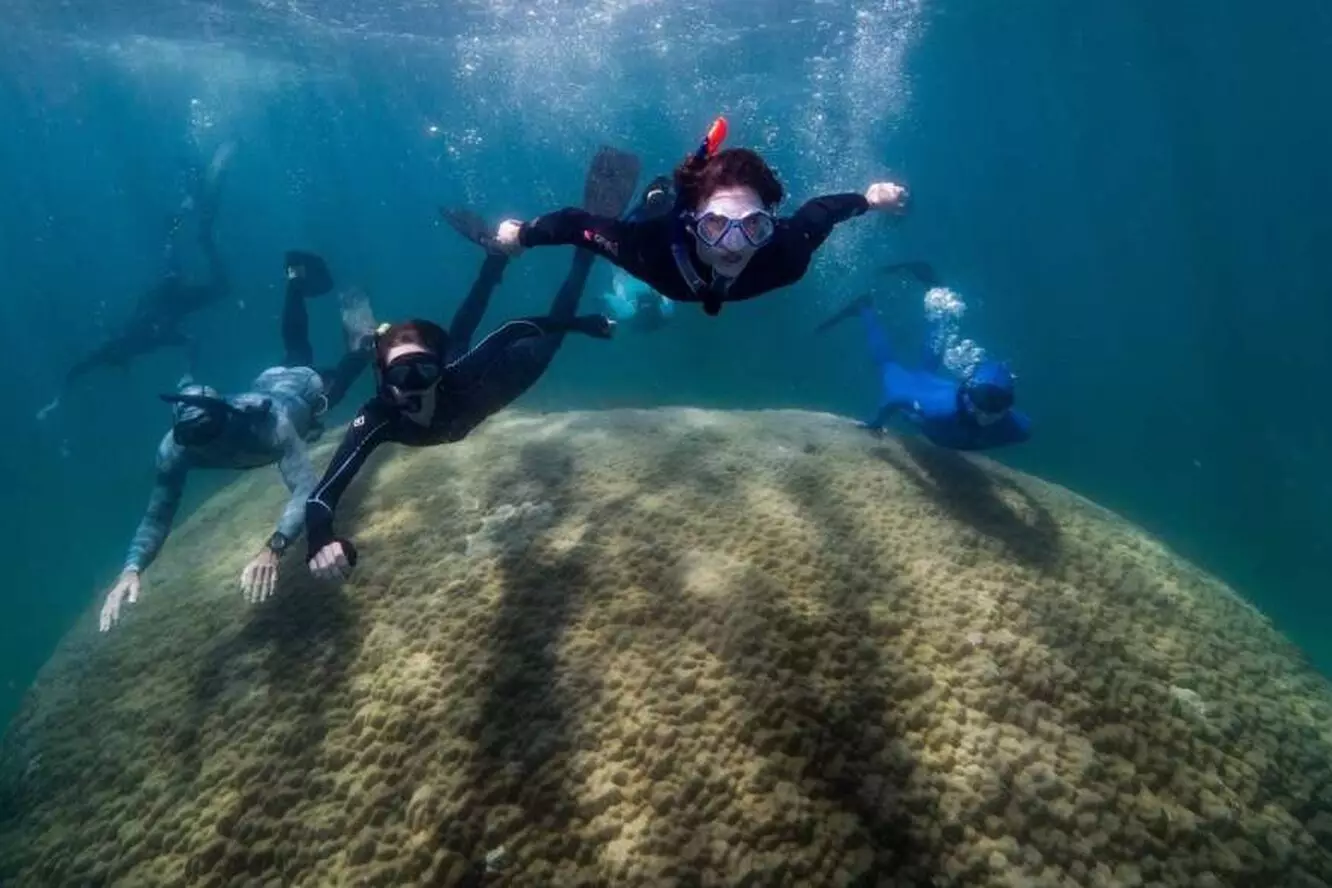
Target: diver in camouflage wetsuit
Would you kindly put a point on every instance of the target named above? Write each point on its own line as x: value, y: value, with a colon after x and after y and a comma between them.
x: 271, y: 423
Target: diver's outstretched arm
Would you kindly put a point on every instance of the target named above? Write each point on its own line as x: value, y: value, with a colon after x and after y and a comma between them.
x: 375, y: 424
x: 816, y: 218
x: 172, y: 469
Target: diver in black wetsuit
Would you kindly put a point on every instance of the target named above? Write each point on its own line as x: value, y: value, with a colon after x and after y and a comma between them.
x: 722, y: 242
x: 434, y: 389
x: 160, y: 311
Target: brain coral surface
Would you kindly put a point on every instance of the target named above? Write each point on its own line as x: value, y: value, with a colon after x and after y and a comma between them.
x: 677, y: 647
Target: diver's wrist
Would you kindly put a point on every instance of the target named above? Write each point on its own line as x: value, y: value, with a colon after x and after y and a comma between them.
x: 278, y: 543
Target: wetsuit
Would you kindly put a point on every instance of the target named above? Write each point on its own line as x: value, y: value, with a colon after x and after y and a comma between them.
x: 660, y: 253
x: 932, y: 400
x: 155, y: 322
x: 271, y: 423
x: 476, y: 383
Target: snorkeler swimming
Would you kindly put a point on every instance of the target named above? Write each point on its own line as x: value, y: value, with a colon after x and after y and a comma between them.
x: 972, y: 413
x: 634, y: 305
x: 271, y: 423
x: 155, y: 322
x: 434, y: 387
x: 721, y: 241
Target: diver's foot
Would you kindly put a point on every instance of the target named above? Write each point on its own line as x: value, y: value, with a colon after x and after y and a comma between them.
x: 358, y: 320
x: 308, y: 273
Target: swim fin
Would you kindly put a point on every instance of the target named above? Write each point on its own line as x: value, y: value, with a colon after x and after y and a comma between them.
x: 309, y: 272
x: 358, y: 319
x: 470, y: 226
x: 611, y: 182
x: 921, y: 271
x: 851, y: 309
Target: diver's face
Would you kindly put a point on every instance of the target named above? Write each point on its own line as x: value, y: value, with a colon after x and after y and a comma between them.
x: 410, y: 377
x: 729, y: 256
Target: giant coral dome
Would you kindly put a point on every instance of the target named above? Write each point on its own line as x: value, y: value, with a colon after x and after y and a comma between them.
x: 678, y: 647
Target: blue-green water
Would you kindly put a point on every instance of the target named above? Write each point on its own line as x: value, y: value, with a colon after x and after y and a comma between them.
x: 1132, y: 197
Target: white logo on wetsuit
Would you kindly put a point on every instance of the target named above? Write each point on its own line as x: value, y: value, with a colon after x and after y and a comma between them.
x: 358, y: 422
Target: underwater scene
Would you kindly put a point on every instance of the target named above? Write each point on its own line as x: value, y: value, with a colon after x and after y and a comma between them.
x: 666, y: 443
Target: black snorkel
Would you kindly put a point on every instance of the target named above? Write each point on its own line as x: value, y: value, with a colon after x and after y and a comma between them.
x: 211, y: 420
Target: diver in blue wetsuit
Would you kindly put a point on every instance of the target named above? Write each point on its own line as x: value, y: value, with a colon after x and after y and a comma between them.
x: 973, y: 413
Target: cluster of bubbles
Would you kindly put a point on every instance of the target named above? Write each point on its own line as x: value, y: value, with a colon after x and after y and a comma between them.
x: 944, y: 309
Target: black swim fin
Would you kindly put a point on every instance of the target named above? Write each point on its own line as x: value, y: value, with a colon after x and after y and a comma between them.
x: 309, y: 272
x: 851, y: 309
x: 612, y: 180
x: 469, y: 225
x: 921, y: 271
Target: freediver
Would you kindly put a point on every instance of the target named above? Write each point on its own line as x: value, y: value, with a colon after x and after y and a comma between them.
x: 974, y: 412
x: 435, y: 387
x: 156, y: 320
x: 271, y: 423
x: 721, y: 241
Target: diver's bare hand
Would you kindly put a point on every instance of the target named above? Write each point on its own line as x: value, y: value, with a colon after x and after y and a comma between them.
x: 334, y: 561
x: 506, y: 237
x: 125, y: 589
x: 259, y: 578
x: 887, y: 196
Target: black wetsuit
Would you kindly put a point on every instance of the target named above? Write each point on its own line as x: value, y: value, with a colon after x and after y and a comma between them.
x: 299, y: 353
x: 476, y: 383
x: 160, y: 311
x: 646, y: 249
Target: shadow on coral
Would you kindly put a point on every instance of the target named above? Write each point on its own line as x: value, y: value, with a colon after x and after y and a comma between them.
x: 971, y: 495
x: 523, y: 729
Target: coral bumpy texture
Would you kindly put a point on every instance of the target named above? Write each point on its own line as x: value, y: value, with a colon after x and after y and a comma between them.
x: 678, y: 647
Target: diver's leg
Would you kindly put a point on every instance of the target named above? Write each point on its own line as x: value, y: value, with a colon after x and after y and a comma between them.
x: 473, y: 308
x: 358, y: 330
x: 296, y: 327
x: 209, y: 192
x: 340, y: 378
x: 565, y: 304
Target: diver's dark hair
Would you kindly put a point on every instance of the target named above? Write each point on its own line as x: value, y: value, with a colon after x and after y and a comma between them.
x: 695, y: 182
x: 427, y: 334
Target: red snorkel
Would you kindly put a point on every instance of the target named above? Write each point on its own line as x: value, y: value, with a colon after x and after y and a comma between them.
x: 712, y: 142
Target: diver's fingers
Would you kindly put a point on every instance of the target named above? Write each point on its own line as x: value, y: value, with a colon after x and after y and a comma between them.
x: 109, y: 611
x: 270, y: 582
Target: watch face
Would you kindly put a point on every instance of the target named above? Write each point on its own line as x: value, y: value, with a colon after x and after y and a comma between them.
x: 277, y: 542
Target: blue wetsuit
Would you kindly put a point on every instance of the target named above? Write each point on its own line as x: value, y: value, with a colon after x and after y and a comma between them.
x: 932, y: 400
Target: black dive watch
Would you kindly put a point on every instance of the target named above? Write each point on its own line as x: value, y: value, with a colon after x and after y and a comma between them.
x: 278, y: 543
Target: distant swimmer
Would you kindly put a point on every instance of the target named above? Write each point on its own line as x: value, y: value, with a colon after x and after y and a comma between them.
x: 634, y: 305
x: 721, y: 240
x: 435, y: 387
x: 156, y: 320
x: 271, y: 423
x: 970, y: 411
